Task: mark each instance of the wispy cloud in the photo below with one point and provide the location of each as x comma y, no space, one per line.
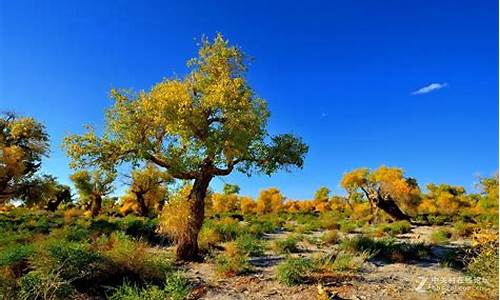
429,88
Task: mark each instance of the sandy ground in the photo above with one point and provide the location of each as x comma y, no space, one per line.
376,280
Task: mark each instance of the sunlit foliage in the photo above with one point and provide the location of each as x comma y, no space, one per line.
203,125
269,201
23,144
384,188
44,192
148,191
92,187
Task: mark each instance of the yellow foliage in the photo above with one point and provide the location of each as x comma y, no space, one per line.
71,214
269,201
360,210
222,203
247,205
175,215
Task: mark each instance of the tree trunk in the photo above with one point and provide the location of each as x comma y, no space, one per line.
96,205
143,208
388,205
52,204
187,248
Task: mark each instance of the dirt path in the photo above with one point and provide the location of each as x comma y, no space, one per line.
376,280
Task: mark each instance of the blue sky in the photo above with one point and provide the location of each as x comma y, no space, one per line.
412,84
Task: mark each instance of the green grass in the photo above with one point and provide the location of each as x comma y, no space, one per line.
293,271
287,245
440,237
250,245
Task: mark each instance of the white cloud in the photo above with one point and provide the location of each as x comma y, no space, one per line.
429,88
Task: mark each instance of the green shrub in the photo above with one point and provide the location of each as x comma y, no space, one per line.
102,226
129,291
15,255
399,227
73,260
330,237
128,256
385,249
287,245
329,220
232,261
440,236
177,286
461,229
76,233
348,227
348,261
293,270
44,285
250,245
436,219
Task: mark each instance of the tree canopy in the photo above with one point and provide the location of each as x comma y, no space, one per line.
206,124
210,118
385,188
23,144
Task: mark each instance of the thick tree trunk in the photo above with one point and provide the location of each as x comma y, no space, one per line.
96,205
187,248
143,208
54,203
391,208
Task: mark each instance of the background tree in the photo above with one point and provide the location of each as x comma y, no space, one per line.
321,197
443,199
148,189
489,193
269,201
92,187
231,189
385,188
207,124
44,192
23,144
223,203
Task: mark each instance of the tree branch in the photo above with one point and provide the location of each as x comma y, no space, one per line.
163,163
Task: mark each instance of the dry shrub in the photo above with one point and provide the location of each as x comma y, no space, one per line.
232,261
71,214
208,238
175,216
330,237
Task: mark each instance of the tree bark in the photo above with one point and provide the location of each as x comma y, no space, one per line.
52,204
187,247
388,205
96,205
143,208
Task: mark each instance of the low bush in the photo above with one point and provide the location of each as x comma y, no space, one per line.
349,262
287,245
293,271
330,237
129,257
44,285
232,261
176,287
348,226
440,236
208,238
385,249
250,245
461,229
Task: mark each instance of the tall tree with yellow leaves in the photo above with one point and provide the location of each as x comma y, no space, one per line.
204,125
384,188
23,144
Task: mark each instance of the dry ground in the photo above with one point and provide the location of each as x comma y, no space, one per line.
376,280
